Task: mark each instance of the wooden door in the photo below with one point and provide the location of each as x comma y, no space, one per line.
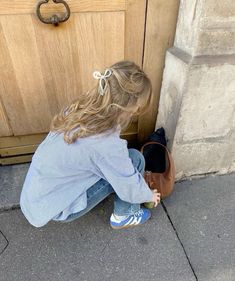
43,67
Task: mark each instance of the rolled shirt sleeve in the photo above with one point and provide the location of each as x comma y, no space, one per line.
128,183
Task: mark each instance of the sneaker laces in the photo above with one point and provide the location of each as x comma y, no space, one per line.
138,213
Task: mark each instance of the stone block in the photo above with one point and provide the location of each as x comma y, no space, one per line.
187,25
197,109
174,78
220,9
203,157
208,106
206,27
213,41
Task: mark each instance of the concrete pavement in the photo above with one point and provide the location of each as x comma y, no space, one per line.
190,237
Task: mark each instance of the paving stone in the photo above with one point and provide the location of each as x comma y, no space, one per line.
203,213
88,249
11,182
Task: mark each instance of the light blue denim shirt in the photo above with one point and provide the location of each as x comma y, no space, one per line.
60,174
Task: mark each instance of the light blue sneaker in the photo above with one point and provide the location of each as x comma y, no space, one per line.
139,217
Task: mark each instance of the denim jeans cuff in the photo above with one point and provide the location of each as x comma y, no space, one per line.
133,208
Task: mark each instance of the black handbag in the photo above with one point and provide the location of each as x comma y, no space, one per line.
155,159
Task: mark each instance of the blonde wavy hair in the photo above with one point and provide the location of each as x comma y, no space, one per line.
127,93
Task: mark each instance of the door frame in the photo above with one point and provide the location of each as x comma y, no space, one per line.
160,27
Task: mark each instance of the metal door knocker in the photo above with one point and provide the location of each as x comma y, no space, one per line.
53,19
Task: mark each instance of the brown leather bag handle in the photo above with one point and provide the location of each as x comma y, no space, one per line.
170,160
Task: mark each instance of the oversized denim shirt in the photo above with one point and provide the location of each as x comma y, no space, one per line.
60,174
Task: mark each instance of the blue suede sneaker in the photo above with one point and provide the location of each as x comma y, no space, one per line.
139,217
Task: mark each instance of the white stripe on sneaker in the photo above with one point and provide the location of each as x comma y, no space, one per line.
139,219
130,221
136,221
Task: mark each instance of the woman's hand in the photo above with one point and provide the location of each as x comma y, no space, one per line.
156,197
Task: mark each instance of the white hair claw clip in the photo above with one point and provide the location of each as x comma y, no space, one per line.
102,79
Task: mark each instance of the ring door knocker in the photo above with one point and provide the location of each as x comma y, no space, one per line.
53,19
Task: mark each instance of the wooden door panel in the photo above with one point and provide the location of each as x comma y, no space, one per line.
32,111
46,67
10,94
100,43
69,57
134,30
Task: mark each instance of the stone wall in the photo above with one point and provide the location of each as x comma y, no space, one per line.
197,103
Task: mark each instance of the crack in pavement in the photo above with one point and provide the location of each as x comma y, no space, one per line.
177,235
9,208
7,243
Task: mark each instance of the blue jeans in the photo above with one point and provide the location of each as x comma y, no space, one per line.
101,189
